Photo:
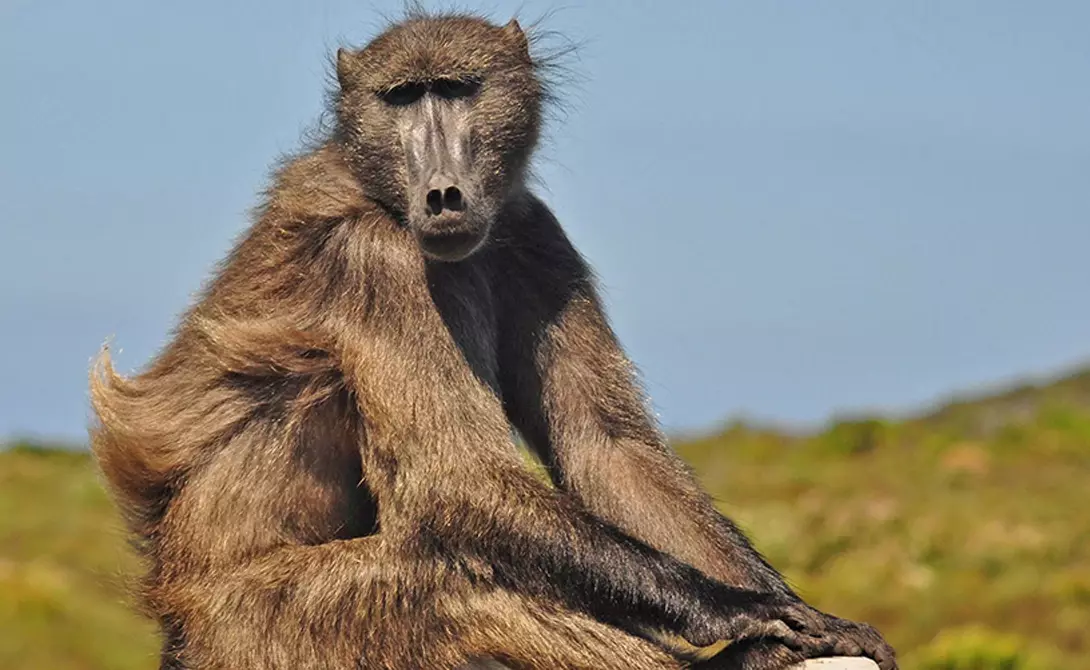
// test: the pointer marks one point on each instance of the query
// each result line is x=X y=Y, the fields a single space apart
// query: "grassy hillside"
x=964 y=534
x=63 y=560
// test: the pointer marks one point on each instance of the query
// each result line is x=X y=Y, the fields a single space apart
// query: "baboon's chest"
x=463 y=296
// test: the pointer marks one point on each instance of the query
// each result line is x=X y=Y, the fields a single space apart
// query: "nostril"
x=452 y=198
x=435 y=201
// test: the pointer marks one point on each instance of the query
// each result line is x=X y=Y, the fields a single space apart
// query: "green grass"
x=964 y=534
x=63 y=562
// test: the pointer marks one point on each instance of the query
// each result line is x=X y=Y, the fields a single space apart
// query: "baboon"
x=320 y=465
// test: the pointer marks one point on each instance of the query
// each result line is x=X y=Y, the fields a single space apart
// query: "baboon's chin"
x=451 y=246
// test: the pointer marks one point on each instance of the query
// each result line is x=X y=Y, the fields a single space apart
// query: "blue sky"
x=796 y=209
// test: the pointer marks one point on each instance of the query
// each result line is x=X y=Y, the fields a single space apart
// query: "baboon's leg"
x=308 y=608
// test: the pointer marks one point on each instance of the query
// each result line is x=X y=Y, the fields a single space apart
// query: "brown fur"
x=319 y=466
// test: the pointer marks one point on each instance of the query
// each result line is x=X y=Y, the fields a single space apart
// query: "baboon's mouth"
x=450 y=245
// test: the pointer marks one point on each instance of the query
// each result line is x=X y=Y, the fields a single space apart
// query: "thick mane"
x=150 y=429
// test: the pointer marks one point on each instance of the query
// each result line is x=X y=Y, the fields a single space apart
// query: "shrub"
x=975 y=648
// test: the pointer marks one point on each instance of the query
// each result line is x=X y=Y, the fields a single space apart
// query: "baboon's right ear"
x=514 y=32
x=346 y=69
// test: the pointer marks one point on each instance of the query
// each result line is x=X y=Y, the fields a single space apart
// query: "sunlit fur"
x=319 y=470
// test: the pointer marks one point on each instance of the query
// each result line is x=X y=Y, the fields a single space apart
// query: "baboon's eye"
x=455 y=88
x=403 y=94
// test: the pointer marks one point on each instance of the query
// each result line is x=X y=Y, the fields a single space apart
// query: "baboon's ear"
x=513 y=32
x=346 y=69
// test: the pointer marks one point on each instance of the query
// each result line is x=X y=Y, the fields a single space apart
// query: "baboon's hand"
x=852 y=638
x=802 y=630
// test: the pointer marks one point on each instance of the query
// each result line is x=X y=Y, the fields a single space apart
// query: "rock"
x=839 y=663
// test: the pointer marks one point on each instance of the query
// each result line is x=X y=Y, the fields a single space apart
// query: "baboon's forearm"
x=645 y=490
x=550 y=547
x=607 y=451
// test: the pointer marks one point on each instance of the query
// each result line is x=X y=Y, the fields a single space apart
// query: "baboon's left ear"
x=346 y=68
x=513 y=31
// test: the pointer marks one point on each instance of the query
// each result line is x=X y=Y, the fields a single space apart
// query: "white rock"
x=839 y=663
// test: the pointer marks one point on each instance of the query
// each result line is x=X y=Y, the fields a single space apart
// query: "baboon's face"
x=440 y=117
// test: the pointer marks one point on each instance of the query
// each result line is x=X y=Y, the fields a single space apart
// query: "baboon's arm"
x=573 y=394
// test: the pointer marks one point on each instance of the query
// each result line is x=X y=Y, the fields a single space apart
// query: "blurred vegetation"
x=963 y=534
x=63 y=563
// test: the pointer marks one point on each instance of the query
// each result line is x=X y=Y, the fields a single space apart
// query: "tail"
x=132 y=455
x=149 y=430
